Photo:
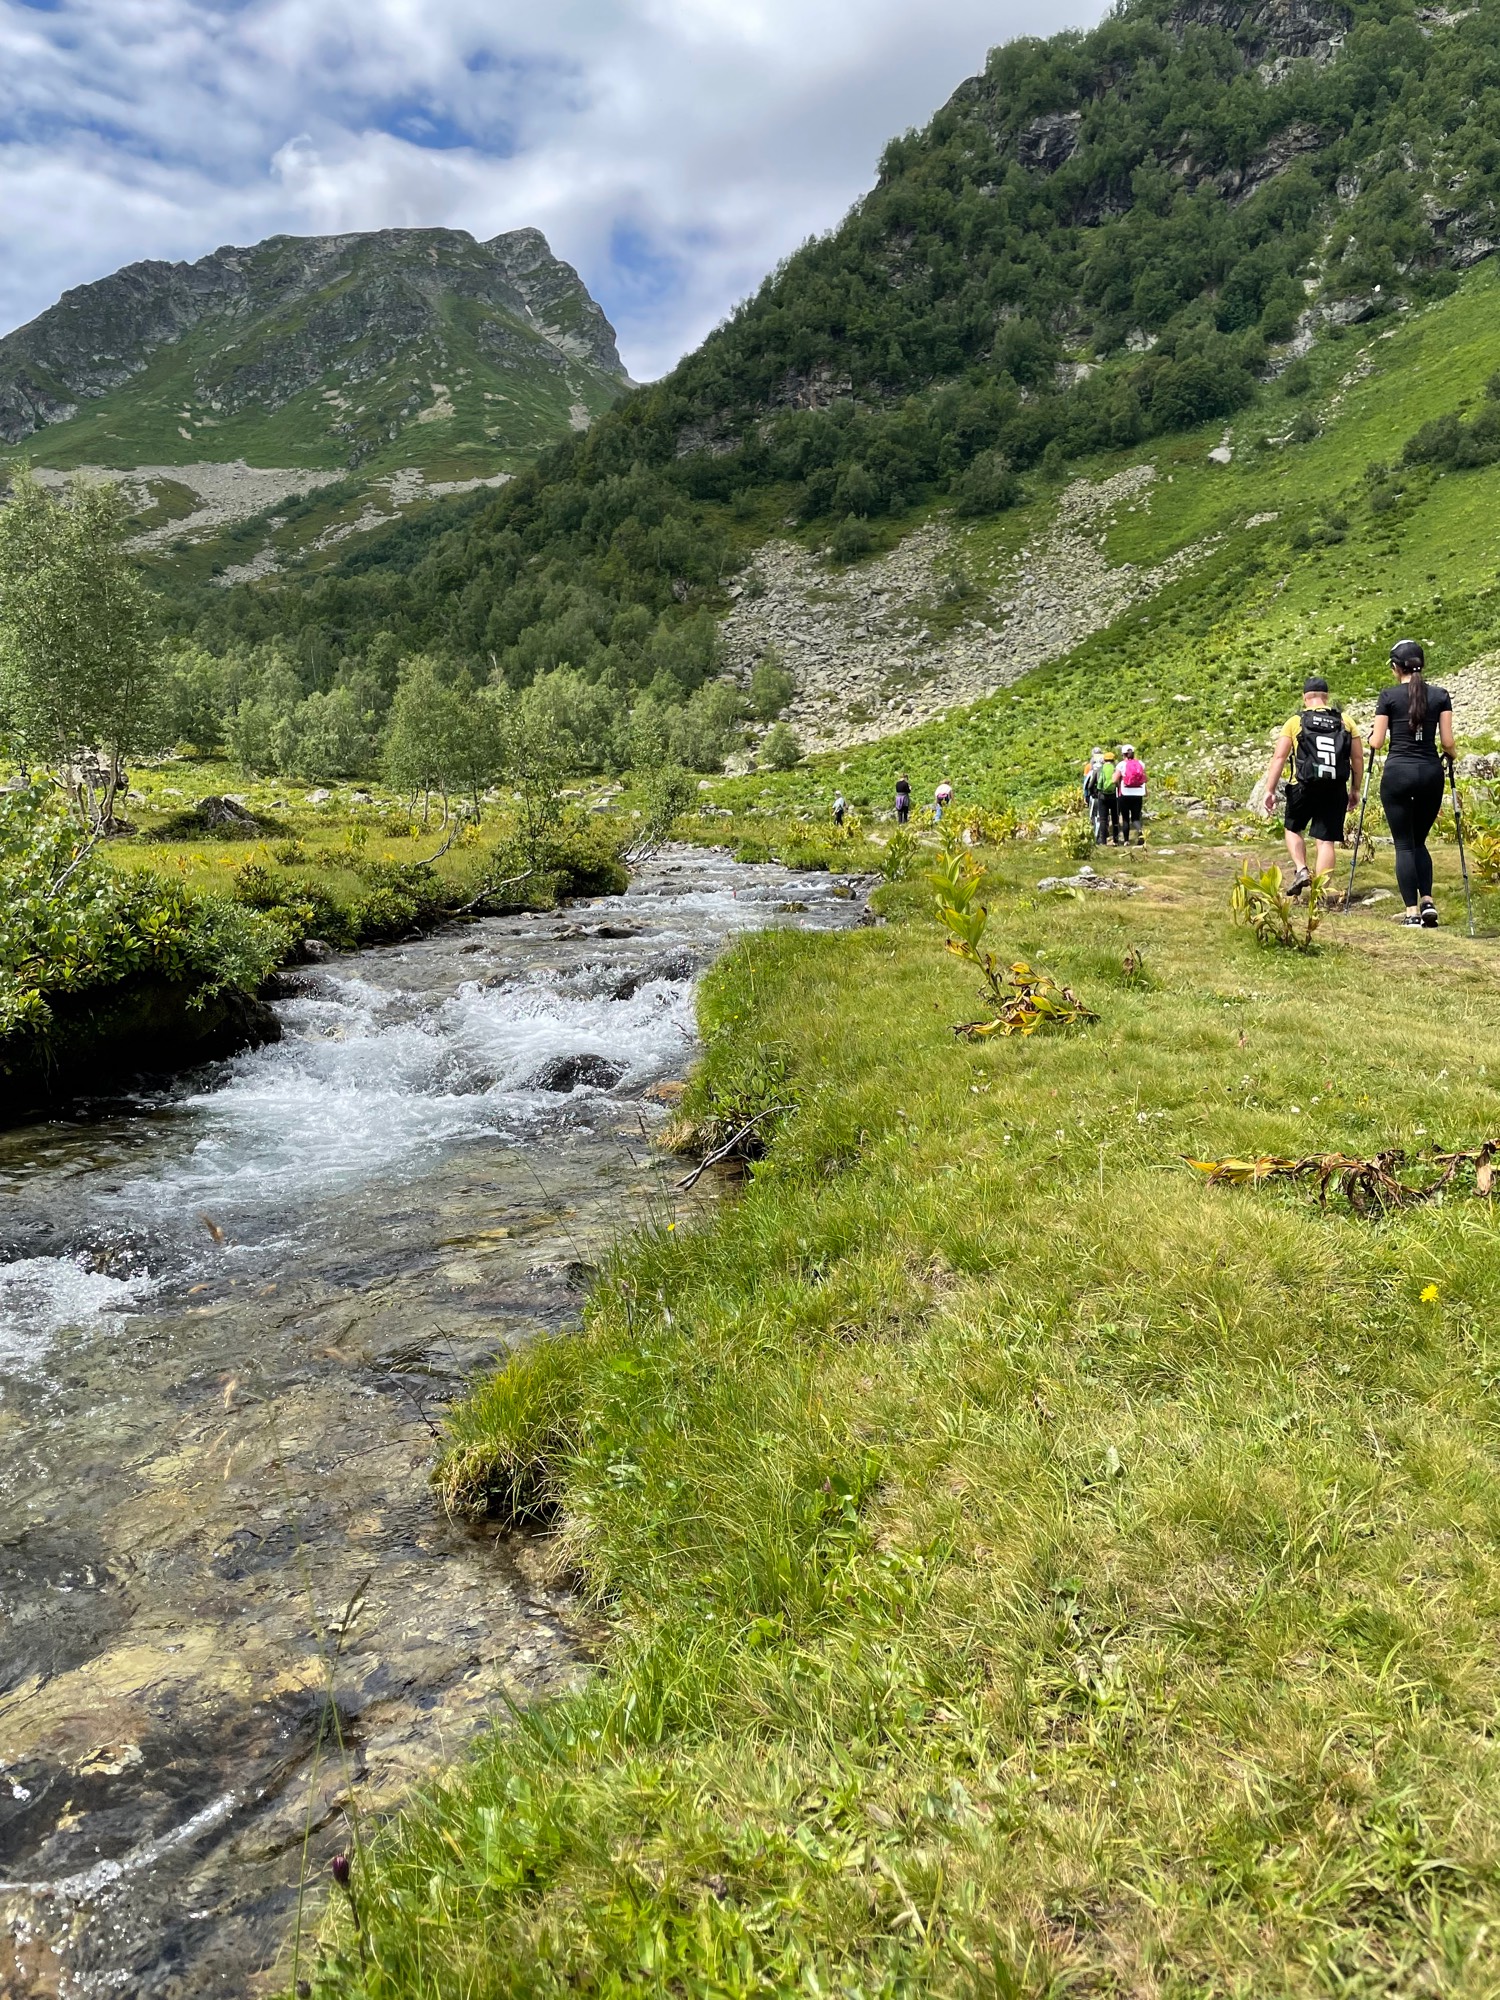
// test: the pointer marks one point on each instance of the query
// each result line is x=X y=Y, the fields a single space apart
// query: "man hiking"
x=840 y=807
x=1327 y=757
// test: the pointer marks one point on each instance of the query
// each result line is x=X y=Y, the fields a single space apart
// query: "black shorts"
x=1320 y=809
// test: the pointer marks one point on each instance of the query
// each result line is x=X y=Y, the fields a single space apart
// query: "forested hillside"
x=1105 y=240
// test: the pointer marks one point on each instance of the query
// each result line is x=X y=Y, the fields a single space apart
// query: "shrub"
x=781 y=749
x=771 y=688
x=74 y=926
x=989 y=486
x=852 y=539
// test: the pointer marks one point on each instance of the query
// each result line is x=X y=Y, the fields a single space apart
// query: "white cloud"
x=673 y=150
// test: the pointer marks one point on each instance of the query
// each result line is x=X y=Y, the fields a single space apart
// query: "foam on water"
x=371 y=1081
x=361 y=1089
x=43 y=1296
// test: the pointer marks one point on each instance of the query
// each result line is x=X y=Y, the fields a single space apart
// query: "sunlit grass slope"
x=1029 y=1570
x=1326 y=578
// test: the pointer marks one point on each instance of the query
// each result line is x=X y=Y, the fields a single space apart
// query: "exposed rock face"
x=1271 y=30
x=1050 y=142
x=859 y=644
x=1240 y=183
x=277 y=316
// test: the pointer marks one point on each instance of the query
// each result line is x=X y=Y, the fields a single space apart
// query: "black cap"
x=1315 y=684
x=1409 y=656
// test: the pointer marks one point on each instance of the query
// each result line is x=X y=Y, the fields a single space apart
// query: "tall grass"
x=1029 y=1570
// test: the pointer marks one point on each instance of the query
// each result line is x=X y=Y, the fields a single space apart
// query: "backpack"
x=1107 y=779
x=1323 y=747
x=1133 y=774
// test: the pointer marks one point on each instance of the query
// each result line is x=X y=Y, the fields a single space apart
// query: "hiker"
x=1130 y=790
x=903 y=799
x=1091 y=777
x=1107 y=800
x=840 y=807
x=1415 y=718
x=942 y=798
x=1327 y=756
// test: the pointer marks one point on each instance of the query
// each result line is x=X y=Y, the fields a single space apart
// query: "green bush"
x=781 y=749
x=74 y=926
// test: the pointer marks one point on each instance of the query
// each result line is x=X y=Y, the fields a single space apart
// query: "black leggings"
x=1412 y=795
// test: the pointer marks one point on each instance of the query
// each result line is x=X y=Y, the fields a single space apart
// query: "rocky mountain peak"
x=267 y=321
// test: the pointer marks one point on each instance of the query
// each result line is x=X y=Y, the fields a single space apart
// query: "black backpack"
x=1323 y=747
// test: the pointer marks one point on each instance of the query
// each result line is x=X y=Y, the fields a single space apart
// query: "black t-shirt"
x=1408 y=743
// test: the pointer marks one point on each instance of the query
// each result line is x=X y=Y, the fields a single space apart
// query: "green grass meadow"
x=1025 y=1569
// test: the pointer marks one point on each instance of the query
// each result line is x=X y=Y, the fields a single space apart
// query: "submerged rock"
x=568 y=1072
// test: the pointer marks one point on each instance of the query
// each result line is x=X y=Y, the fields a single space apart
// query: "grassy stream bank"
x=1030 y=1570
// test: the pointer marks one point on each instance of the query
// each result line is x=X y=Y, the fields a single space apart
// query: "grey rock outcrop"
x=1049 y=142
x=1276 y=31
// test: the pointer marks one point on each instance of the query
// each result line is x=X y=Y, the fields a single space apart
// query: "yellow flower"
x=1430 y=1295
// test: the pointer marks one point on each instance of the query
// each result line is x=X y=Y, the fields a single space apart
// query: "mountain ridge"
x=367 y=323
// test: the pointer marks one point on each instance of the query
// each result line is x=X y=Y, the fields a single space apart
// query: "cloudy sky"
x=672 y=149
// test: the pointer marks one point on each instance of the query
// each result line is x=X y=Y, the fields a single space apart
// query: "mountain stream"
x=231 y=1313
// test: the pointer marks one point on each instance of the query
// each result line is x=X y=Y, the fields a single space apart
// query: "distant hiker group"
x=1326 y=765
x=1114 y=790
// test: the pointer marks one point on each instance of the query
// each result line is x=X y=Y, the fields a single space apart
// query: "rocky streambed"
x=231 y=1313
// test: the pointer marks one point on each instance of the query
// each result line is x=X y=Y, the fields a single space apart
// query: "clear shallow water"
x=230 y=1313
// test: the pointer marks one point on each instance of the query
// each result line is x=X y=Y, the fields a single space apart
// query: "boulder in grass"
x=221 y=814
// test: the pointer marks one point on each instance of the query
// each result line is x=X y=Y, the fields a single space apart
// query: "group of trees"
x=85 y=686
x=436 y=725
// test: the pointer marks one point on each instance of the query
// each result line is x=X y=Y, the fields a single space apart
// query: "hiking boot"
x=1412 y=921
x=1301 y=882
x=1428 y=914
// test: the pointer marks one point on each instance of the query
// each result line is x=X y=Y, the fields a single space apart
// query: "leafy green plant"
x=1025 y=1000
x=1261 y=903
x=898 y=854
x=74 y=926
x=1077 y=838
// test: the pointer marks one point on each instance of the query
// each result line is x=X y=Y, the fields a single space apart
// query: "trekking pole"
x=1359 y=838
x=1463 y=859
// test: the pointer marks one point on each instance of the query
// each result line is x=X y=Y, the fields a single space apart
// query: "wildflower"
x=1429 y=1295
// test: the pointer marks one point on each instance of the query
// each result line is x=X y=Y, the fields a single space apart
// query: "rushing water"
x=230 y=1613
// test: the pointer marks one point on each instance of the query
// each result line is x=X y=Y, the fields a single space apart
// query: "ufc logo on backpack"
x=1323 y=748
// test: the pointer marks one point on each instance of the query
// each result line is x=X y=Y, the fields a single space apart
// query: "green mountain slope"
x=1112 y=251
x=402 y=348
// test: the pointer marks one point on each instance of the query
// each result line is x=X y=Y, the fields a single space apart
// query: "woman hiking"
x=1417 y=719
x=903 y=799
x=1131 y=792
